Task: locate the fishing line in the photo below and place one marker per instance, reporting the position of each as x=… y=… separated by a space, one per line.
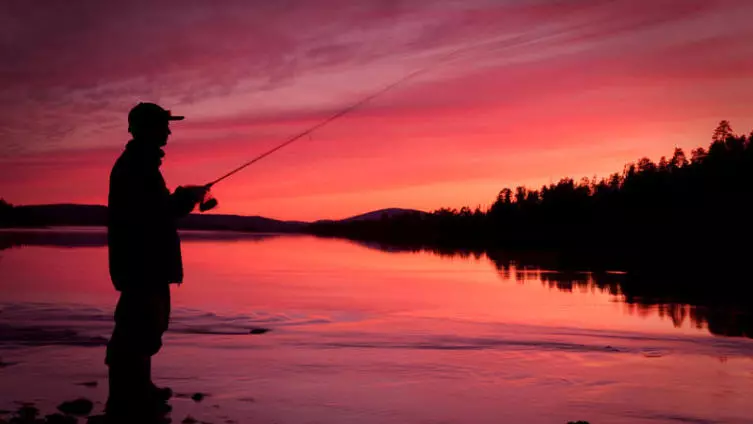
x=510 y=43
x=323 y=123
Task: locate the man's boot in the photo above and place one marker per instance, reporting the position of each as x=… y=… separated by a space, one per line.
x=120 y=400
x=159 y=394
x=130 y=395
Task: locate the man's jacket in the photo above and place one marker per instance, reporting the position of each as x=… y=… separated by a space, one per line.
x=142 y=236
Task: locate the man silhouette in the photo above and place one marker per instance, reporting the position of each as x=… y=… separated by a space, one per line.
x=144 y=259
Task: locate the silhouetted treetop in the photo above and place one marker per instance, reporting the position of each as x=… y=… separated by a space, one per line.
x=722 y=132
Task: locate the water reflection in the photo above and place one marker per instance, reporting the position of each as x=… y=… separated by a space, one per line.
x=723 y=313
x=682 y=297
x=721 y=309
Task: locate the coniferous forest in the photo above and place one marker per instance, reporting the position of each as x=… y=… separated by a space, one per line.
x=686 y=210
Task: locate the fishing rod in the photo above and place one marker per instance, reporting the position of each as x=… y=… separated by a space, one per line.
x=328 y=120
x=210 y=202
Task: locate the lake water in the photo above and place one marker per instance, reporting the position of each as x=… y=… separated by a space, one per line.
x=360 y=335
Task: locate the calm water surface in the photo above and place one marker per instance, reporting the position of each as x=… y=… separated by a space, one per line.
x=367 y=336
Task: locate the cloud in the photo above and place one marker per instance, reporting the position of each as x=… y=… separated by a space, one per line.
x=72 y=70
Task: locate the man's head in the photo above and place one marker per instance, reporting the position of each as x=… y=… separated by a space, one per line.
x=150 y=123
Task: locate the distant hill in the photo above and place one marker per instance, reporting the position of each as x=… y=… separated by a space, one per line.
x=63 y=214
x=240 y=223
x=96 y=215
x=376 y=215
x=57 y=215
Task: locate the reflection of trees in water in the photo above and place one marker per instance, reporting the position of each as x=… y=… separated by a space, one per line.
x=682 y=297
x=721 y=312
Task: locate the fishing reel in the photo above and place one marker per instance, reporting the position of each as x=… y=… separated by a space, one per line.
x=208 y=202
x=200 y=195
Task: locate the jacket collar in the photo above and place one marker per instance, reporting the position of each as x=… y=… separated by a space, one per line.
x=145 y=151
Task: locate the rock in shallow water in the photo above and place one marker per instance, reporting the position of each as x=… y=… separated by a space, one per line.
x=27 y=412
x=80 y=406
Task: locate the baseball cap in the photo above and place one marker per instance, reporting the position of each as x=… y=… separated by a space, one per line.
x=149 y=114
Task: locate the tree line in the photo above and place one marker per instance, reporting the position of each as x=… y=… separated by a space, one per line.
x=686 y=208
x=5 y=213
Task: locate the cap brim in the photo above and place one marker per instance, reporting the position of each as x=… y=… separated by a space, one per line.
x=176 y=118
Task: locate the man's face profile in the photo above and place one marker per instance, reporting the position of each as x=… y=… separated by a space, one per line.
x=157 y=133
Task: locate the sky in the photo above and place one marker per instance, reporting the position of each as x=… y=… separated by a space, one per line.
x=516 y=92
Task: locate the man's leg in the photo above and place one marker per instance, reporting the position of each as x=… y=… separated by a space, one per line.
x=139 y=325
x=123 y=357
x=162 y=320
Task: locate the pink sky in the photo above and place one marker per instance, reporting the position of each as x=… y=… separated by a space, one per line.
x=541 y=90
